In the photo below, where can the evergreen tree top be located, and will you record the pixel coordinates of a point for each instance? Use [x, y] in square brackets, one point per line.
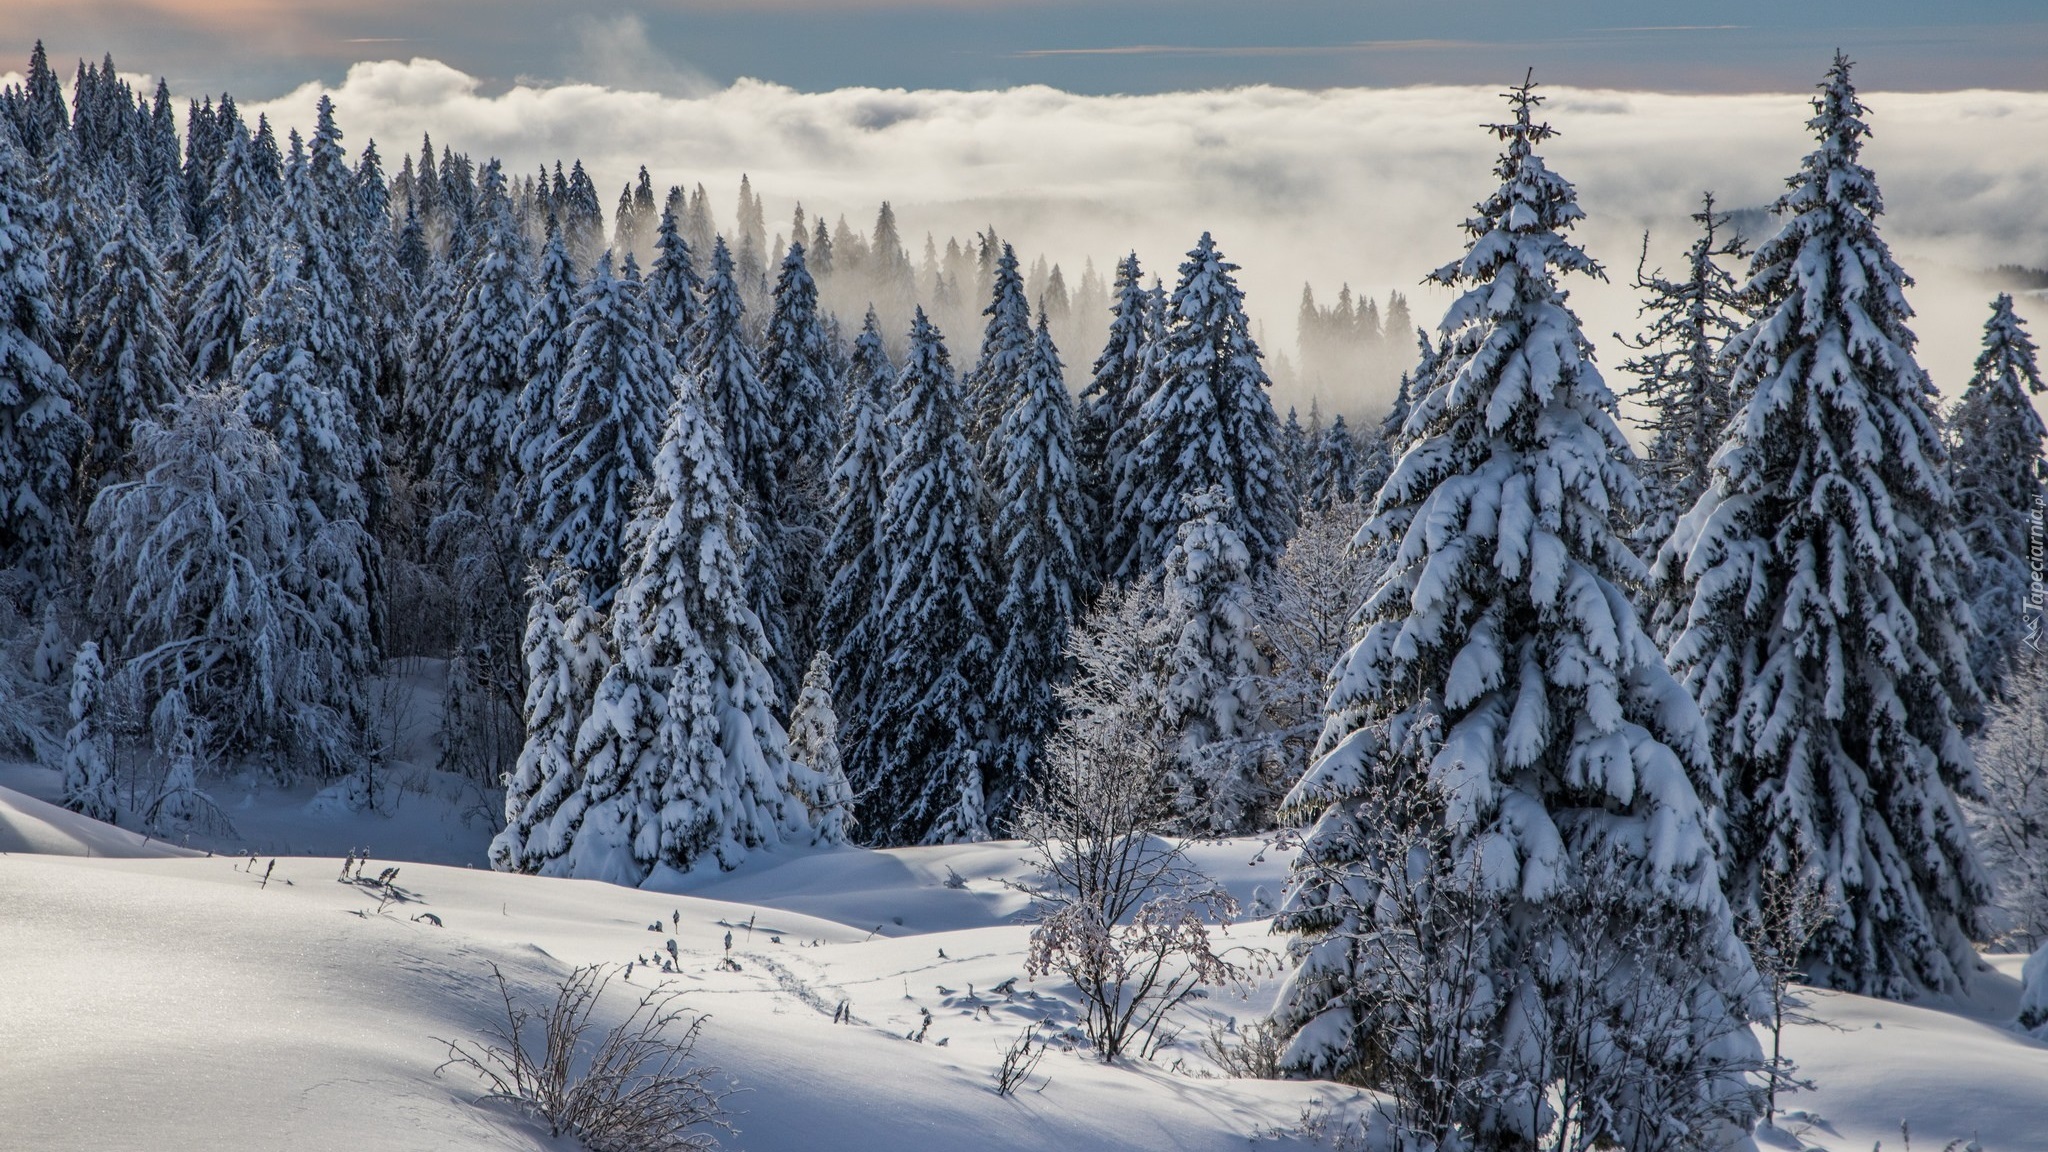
[871, 379]
[2008, 364]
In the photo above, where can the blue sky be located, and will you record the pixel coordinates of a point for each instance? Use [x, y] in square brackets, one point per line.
[1090, 46]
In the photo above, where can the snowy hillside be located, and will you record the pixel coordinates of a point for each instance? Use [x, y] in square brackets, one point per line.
[159, 1000]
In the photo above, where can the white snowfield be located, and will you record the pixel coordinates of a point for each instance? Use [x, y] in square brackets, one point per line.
[155, 999]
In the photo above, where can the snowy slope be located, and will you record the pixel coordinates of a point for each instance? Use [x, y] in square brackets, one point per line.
[168, 1002]
[206, 1011]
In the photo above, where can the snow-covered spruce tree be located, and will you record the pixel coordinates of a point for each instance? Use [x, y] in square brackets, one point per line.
[1825, 632]
[608, 406]
[1550, 765]
[918, 773]
[1333, 469]
[482, 371]
[1210, 667]
[683, 736]
[814, 743]
[222, 286]
[41, 433]
[723, 367]
[1105, 427]
[1682, 381]
[544, 353]
[1206, 423]
[673, 285]
[1037, 536]
[88, 778]
[797, 374]
[855, 571]
[1995, 434]
[565, 657]
[127, 362]
[997, 377]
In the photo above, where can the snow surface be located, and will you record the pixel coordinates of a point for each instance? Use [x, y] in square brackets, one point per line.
[157, 999]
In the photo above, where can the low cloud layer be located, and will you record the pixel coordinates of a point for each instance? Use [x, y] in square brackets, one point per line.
[1360, 185]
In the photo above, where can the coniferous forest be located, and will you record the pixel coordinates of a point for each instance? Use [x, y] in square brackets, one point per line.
[1589, 727]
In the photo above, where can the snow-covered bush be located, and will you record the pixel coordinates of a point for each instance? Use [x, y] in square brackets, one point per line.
[2033, 1015]
[88, 779]
[2011, 821]
[631, 1089]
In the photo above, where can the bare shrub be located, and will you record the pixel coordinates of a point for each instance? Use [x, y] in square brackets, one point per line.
[1019, 1061]
[1122, 911]
[633, 1089]
[1247, 1052]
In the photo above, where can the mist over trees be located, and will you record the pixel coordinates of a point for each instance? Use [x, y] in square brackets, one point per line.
[709, 536]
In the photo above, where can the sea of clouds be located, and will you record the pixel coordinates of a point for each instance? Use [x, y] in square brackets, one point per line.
[1367, 186]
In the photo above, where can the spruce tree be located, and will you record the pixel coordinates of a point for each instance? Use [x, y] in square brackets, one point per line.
[127, 362]
[919, 772]
[1995, 435]
[798, 376]
[814, 743]
[608, 406]
[1682, 376]
[673, 284]
[482, 370]
[544, 352]
[997, 378]
[1208, 669]
[1106, 426]
[41, 433]
[1038, 536]
[1825, 634]
[855, 575]
[223, 285]
[1558, 776]
[1206, 423]
[565, 657]
[723, 366]
[1333, 469]
[88, 778]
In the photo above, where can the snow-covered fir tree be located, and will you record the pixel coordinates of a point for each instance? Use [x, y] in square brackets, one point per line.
[1333, 468]
[919, 771]
[993, 384]
[41, 433]
[798, 376]
[1996, 435]
[1038, 536]
[88, 778]
[1560, 775]
[673, 285]
[608, 404]
[482, 372]
[1105, 424]
[814, 743]
[682, 758]
[723, 367]
[544, 352]
[565, 657]
[127, 362]
[1825, 636]
[1206, 422]
[856, 574]
[1682, 377]
[223, 283]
